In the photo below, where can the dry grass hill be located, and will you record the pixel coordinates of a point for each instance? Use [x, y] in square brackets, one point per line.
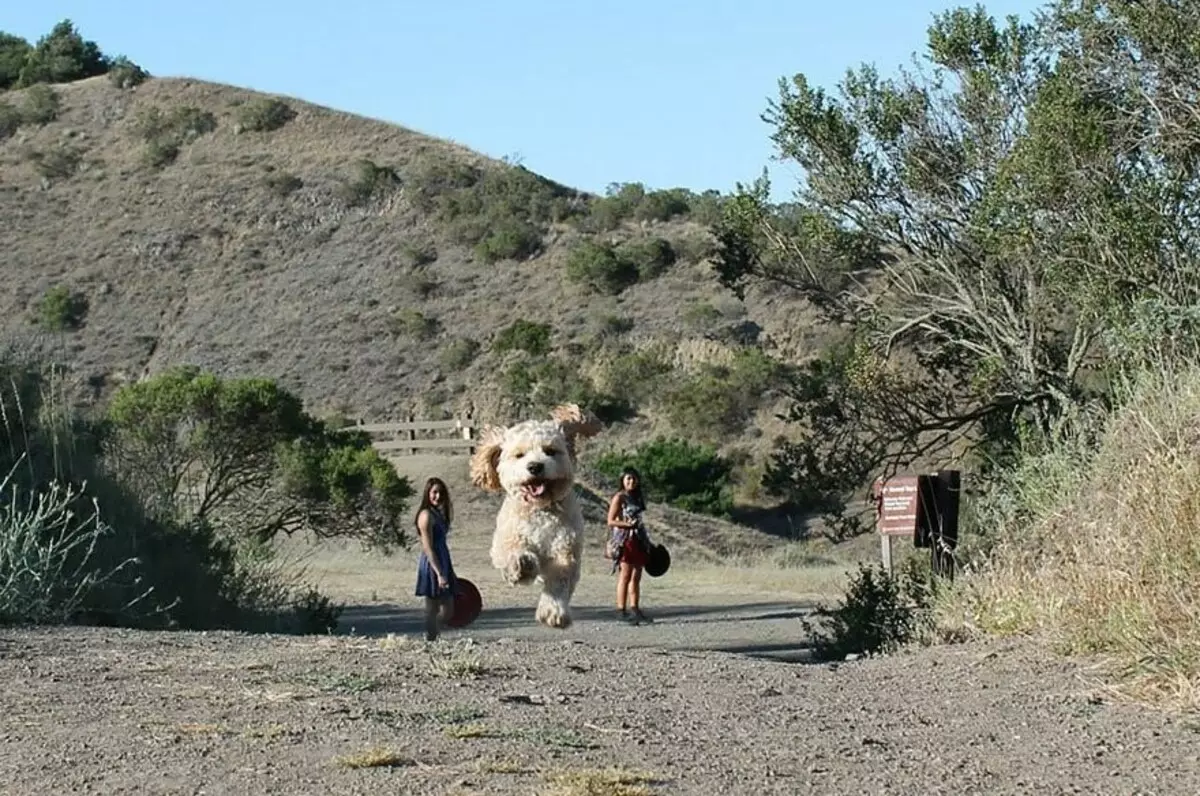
[373, 270]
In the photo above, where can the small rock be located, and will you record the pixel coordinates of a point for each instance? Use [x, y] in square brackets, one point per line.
[770, 692]
[852, 656]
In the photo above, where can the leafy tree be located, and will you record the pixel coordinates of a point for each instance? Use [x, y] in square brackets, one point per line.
[62, 56]
[13, 52]
[242, 455]
[987, 228]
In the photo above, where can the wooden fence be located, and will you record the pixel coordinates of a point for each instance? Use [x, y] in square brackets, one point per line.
[401, 438]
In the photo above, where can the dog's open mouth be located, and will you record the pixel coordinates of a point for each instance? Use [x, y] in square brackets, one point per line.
[535, 488]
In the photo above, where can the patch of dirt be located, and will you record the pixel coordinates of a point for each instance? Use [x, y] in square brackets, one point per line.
[119, 711]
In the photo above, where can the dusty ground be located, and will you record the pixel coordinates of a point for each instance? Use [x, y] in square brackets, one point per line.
[704, 701]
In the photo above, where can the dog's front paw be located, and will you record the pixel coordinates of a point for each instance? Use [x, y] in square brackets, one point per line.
[552, 613]
[521, 569]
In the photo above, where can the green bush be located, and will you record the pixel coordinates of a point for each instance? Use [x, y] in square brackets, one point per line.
[61, 309]
[41, 106]
[528, 336]
[10, 119]
[369, 182]
[600, 268]
[510, 239]
[650, 256]
[637, 376]
[687, 475]
[264, 114]
[719, 400]
[13, 52]
[77, 543]
[279, 470]
[125, 74]
[282, 183]
[537, 385]
[415, 324]
[459, 353]
[879, 613]
[58, 163]
[165, 133]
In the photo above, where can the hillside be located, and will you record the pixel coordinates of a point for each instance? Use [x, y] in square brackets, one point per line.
[373, 270]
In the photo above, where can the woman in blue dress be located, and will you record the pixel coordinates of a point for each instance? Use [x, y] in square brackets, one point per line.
[435, 571]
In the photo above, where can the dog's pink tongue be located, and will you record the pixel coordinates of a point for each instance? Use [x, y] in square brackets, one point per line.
[535, 490]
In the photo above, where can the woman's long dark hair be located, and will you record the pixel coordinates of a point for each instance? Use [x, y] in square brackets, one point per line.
[447, 507]
[636, 495]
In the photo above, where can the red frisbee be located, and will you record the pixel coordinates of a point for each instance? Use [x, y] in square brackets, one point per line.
[467, 604]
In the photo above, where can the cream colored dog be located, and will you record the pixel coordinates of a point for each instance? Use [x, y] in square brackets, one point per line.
[539, 528]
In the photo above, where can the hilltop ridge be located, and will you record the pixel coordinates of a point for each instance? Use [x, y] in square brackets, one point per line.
[372, 270]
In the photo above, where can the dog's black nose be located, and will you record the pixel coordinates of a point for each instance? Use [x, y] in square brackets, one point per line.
[535, 468]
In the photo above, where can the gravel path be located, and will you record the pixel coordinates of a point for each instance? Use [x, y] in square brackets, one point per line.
[499, 711]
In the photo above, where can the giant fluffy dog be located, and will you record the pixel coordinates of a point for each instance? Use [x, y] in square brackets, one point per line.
[539, 528]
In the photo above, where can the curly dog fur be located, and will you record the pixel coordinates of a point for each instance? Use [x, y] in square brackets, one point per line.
[539, 528]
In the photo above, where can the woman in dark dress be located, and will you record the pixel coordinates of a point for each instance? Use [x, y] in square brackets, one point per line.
[435, 571]
[629, 542]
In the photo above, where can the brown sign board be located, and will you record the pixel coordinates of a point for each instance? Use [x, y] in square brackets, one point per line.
[897, 500]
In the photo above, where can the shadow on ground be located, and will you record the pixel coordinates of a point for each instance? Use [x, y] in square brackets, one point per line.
[770, 630]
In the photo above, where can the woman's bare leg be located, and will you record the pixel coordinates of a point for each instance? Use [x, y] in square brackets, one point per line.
[622, 585]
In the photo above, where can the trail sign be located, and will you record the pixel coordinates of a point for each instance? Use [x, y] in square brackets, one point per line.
[898, 505]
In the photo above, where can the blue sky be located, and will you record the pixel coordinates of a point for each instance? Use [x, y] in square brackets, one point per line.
[587, 93]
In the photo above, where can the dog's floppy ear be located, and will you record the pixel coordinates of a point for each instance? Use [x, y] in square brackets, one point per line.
[486, 459]
[575, 423]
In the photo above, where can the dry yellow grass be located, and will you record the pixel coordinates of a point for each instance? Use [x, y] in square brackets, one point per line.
[600, 782]
[1111, 563]
[374, 758]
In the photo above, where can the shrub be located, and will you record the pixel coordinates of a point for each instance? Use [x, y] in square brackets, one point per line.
[278, 470]
[121, 567]
[459, 353]
[10, 120]
[57, 163]
[370, 181]
[528, 336]
[264, 114]
[415, 324]
[663, 205]
[41, 106]
[125, 74]
[720, 399]
[879, 613]
[687, 475]
[13, 52]
[1090, 539]
[637, 376]
[60, 309]
[282, 183]
[650, 256]
[47, 567]
[540, 384]
[510, 239]
[598, 267]
[165, 133]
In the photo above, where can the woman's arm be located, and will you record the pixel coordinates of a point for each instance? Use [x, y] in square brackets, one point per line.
[427, 543]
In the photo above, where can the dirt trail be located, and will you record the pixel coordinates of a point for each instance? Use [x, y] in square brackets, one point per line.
[122, 712]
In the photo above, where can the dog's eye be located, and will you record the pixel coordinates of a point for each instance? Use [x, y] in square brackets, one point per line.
[550, 451]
